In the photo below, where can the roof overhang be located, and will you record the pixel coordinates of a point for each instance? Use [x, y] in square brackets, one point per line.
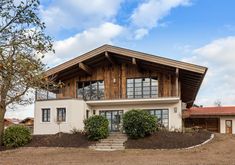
[128, 53]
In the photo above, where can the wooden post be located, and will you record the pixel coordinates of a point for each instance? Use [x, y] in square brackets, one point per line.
[177, 81]
[36, 95]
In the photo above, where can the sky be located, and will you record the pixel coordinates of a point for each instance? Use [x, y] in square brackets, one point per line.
[196, 31]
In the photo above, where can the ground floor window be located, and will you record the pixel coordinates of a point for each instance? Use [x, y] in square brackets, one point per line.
[162, 116]
[61, 114]
[46, 114]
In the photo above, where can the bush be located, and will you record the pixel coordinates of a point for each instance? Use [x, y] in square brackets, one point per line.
[76, 131]
[139, 123]
[96, 127]
[16, 136]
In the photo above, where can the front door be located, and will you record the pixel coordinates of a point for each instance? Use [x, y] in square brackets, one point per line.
[228, 126]
[114, 117]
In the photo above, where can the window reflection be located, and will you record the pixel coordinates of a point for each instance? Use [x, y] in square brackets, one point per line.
[142, 88]
[162, 116]
[90, 90]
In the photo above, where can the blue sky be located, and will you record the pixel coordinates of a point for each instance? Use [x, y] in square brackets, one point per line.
[196, 31]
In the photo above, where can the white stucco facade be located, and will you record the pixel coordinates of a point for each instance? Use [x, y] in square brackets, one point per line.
[223, 125]
[76, 112]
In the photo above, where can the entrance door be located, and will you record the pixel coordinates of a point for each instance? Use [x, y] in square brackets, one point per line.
[114, 117]
[228, 126]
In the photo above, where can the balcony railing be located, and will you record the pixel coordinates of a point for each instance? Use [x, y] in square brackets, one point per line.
[42, 94]
[57, 94]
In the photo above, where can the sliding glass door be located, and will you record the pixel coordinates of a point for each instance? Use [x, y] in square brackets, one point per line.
[114, 117]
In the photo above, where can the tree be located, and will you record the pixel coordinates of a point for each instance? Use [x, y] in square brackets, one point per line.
[23, 44]
[218, 103]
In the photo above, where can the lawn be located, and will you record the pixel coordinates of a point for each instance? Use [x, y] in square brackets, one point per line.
[220, 150]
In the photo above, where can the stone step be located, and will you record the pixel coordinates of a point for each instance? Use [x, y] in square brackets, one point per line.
[109, 144]
[109, 148]
[116, 136]
[117, 140]
[112, 142]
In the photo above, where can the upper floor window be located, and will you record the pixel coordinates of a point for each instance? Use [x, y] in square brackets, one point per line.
[46, 114]
[91, 90]
[61, 114]
[142, 88]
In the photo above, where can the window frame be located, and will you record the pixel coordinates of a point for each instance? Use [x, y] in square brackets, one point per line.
[161, 110]
[63, 116]
[141, 96]
[48, 115]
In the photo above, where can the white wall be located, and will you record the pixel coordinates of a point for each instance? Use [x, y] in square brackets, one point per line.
[75, 114]
[222, 124]
[175, 118]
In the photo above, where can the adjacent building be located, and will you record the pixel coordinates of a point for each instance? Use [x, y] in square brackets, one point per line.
[215, 119]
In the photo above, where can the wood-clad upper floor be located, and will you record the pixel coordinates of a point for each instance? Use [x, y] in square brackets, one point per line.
[122, 73]
[115, 79]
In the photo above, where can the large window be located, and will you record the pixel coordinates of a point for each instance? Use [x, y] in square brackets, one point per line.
[162, 116]
[90, 90]
[46, 115]
[61, 114]
[142, 88]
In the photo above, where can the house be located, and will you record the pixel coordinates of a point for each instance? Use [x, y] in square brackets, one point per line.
[28, 122]
[109, 81]
[9, 122]
[216, 119]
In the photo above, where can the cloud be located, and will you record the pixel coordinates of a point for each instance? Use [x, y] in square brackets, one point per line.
[219, 57]
[148, 14]
[78, 14]
[140, 33]
[83, 42]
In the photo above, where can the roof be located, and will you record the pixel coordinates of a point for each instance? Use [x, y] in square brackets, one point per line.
[190, 75]
[13, 120]
[129, 53]
[27, 119]
[210, 111]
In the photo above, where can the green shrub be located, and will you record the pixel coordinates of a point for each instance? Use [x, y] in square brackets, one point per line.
[96, 127]
[139, 123]
[16, 136]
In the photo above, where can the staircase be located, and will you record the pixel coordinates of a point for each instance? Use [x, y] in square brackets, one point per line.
[115, 141]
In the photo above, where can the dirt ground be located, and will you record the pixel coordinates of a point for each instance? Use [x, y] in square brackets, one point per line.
[220, 151]
[60, 140]
[168, 140]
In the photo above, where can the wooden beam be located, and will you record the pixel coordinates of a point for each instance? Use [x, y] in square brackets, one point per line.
[134, 61]
[109, 58]
[85, 68]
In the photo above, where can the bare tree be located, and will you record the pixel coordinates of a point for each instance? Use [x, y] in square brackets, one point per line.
[218, 103]
[23, 44]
